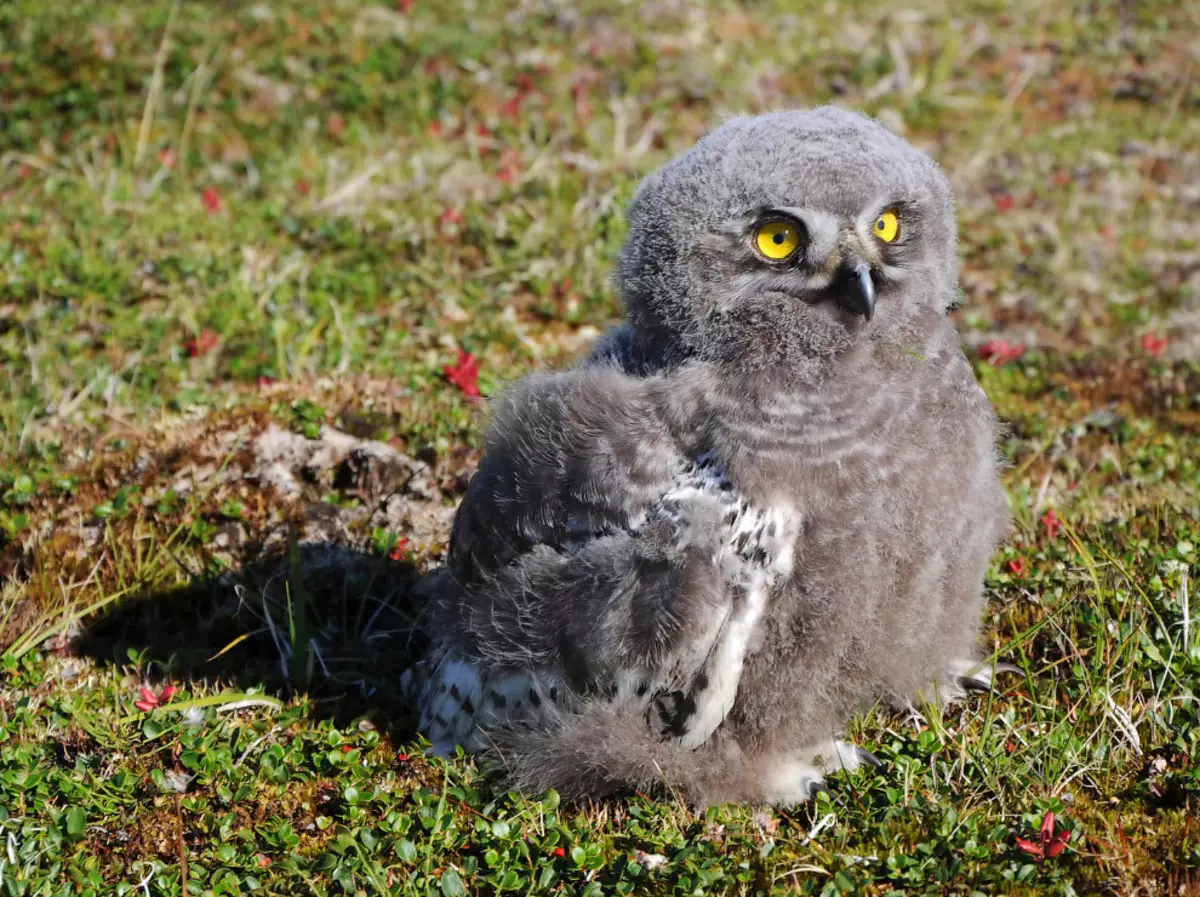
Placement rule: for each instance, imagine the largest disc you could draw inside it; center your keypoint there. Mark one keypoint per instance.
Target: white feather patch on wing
(755, 550)
(449, 703)
(722, 674)
(458, 702)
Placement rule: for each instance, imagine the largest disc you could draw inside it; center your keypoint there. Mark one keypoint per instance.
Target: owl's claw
(843, 756)
(865, 756)
(983, 679)
(974, 686)
(792, 780)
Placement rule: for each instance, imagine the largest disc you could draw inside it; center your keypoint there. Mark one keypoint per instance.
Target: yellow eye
(887, 226)
(777, 239)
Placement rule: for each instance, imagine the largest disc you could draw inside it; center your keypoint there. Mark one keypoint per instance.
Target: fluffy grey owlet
(764, 503)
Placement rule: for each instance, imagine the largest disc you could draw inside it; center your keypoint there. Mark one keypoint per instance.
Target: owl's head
(788, 236)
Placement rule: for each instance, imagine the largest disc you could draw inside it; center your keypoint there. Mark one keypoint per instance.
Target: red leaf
(167, 693)
(558, 852)
(464, 374)
(303, 187)
(999, 352)
(450, 215)
(149, 697)
(1047, 830)
(1154, 344)
(204, 343)
(511, 107)
(991, 349)
(144, 706)
(346, 748)
(1052, 524)
(581, 90)
(167, 158)
(211, 199)
(399, 549)
(1055, 847)
(1029, 847)
(510, 166)
(1017, 568)
(1002, 201)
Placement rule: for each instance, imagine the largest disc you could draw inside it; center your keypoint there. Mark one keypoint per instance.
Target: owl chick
(764, 503)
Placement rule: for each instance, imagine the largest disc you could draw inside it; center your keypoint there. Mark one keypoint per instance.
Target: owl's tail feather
(605, 748)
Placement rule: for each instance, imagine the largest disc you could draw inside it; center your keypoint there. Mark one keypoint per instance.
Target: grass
(231, 232)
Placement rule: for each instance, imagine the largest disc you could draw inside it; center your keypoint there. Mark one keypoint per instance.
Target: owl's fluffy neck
(757, 359)
(767, 418)
(766, 352)
(799, 440)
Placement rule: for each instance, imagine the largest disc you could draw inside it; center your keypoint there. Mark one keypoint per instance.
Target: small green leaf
(452, 884)
(510, 880)
(1152, 652)
(76, 821)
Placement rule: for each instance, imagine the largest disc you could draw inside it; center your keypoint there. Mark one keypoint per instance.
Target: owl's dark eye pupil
(778, 238)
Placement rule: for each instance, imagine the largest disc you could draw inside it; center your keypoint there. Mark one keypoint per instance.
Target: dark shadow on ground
(323, 618)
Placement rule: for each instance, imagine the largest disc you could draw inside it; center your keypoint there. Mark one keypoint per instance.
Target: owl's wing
(571, 457)
(591, 556)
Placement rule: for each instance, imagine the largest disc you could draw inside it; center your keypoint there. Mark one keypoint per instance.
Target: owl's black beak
(856, 289)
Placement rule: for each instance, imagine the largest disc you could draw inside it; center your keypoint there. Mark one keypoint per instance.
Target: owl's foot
(790, 781)
(960, 678)
(838, 756)
(799, 776)
(972, 677)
